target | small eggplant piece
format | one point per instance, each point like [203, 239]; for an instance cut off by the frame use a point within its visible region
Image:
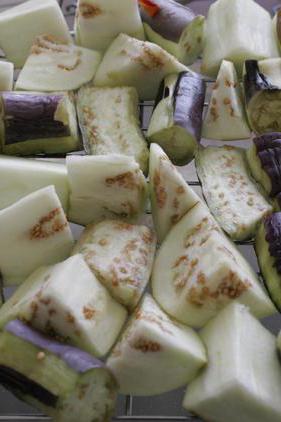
[176, 121]
[62, 381]
[6, 76]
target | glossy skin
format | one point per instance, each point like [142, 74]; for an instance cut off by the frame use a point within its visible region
[254, 80]
[273, 233]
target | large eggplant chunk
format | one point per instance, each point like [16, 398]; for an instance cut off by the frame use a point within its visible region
[55, 130]
[155, 354]
[176, 121]
[231, 194]
[243, 376]
[33, 232]
[171, 197]
[67, 302]
[141, 64]
[55, 66]
[121, 256]
[105, 187]
[198, 271]
[31, 18]
[109, 122]
[6, 76]
[98, 22]
[64, 382]
[231, 35]
[226, 118]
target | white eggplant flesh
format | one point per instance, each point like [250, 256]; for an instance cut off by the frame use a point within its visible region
[232, 195]
[105, 186]
[67, 302]
[171, 197]
[243, 375]
[236, 31]
[155, 354]
[98, 22]
[198, 271]
[31, 18]
[121, 256]
[55, 66]
[226, 117]
[141, 64]
[109, 121]
[33, 232]
[6, 76]
[271, 69]
[277, 27]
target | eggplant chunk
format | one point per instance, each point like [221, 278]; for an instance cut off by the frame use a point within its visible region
[277, 27]
[98, 22]
[121, 256]
[6, 76]
[176, 121]
[231, 194]
[66, 301]
[64, 382]
[198, 271]
[55, 66]
[109, 122]
[226, 118]
[33, 232]
[243, 375]
[141, 64]
[105, 186]
[171, 197]
[155, 354]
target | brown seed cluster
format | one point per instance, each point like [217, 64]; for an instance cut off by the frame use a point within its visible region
[125, 180]
[145, 345]
[88, 11]
[159, 189]
[148, 59]
[49, 225]
[88, 312]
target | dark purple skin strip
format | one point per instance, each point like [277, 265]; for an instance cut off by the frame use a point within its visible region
[267, 140]
[272, 224]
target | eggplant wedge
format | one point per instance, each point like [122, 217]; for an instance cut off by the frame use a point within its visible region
[109, 122]
[176, 121]
[55, 131]
[277, 26]
[226, 117]
[174, 27]
[64, 382]
[243, 375]
[231, 194]
[6, 76]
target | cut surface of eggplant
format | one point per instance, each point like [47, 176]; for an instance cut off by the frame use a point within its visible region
[33, 232]
[141, 64]
[109, 121]
[56, 66]
[6, 76]
[231, 194]
[121, 256]
[176, 121]
[155, 354]
[56, 126]
[198, 271]
[243, 375]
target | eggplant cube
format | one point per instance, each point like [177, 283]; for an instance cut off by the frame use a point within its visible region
[33, 232]
[6, 76]
[121, 257]
[105, 186]
[155, 354]
[243, 376]
[67, 301]
[131, 62]
[31, 18]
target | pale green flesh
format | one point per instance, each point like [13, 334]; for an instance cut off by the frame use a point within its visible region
[6, 76]
[264, 112]
[256, 169]
[271, 68]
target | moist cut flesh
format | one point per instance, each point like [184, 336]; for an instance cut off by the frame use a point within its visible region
[6, 76]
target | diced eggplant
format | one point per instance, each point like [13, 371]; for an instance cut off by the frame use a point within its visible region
[226, 118]
[98, 22]
[155, 354]
[55, 130]
[121, 256]
[198, 271]
[105, 187]
[6, 76]
[62, 381]
[56, 66]
[67, 302]
[176, 121]
[243, 376]
[31, 19]
[33, 232]
[109, 122]
[141, 64]
[171, 197]
[231, 194]
[231, 35]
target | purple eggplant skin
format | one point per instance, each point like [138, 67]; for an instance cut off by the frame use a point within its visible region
[171, 19]
[272, 224]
